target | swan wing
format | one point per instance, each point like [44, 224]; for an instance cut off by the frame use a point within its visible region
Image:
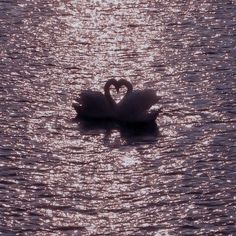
[92, 99]
[138, 102]
[92, 104]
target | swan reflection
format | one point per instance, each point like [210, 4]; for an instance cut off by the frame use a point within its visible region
[129, 132]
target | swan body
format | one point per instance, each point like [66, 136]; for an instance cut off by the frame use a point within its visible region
[95, 105]
[133, 107]
[92, 105]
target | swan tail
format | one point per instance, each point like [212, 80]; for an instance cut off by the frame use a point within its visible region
[155, 113]
[76, 106]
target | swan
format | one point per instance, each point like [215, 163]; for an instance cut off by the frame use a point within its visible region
[96, 105]
[135, 105]
[132, 108]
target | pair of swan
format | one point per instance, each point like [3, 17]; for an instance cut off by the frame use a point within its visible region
[132, 108]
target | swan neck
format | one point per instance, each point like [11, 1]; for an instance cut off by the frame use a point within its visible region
[127, 84]
[107, 92]
[129, 87]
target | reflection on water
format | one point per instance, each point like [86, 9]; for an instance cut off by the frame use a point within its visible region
[132, 133]
[61, 177]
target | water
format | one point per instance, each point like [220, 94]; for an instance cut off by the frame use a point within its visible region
[60, 177]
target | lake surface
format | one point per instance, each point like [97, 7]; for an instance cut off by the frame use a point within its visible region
[61, 177]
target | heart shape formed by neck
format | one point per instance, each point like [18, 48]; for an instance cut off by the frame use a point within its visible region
[118, 85]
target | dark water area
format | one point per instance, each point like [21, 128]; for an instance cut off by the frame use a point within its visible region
[61, 177]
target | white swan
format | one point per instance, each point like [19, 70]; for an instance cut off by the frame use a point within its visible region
[133, 108]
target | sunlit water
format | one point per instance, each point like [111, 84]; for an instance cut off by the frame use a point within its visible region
[61, 177]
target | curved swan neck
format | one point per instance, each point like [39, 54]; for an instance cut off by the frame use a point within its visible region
[107, 91]
[117, 84]
[127, 84]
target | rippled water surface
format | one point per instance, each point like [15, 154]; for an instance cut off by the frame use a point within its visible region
[61, 177]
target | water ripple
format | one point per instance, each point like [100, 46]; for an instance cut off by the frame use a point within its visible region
[62, 177]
